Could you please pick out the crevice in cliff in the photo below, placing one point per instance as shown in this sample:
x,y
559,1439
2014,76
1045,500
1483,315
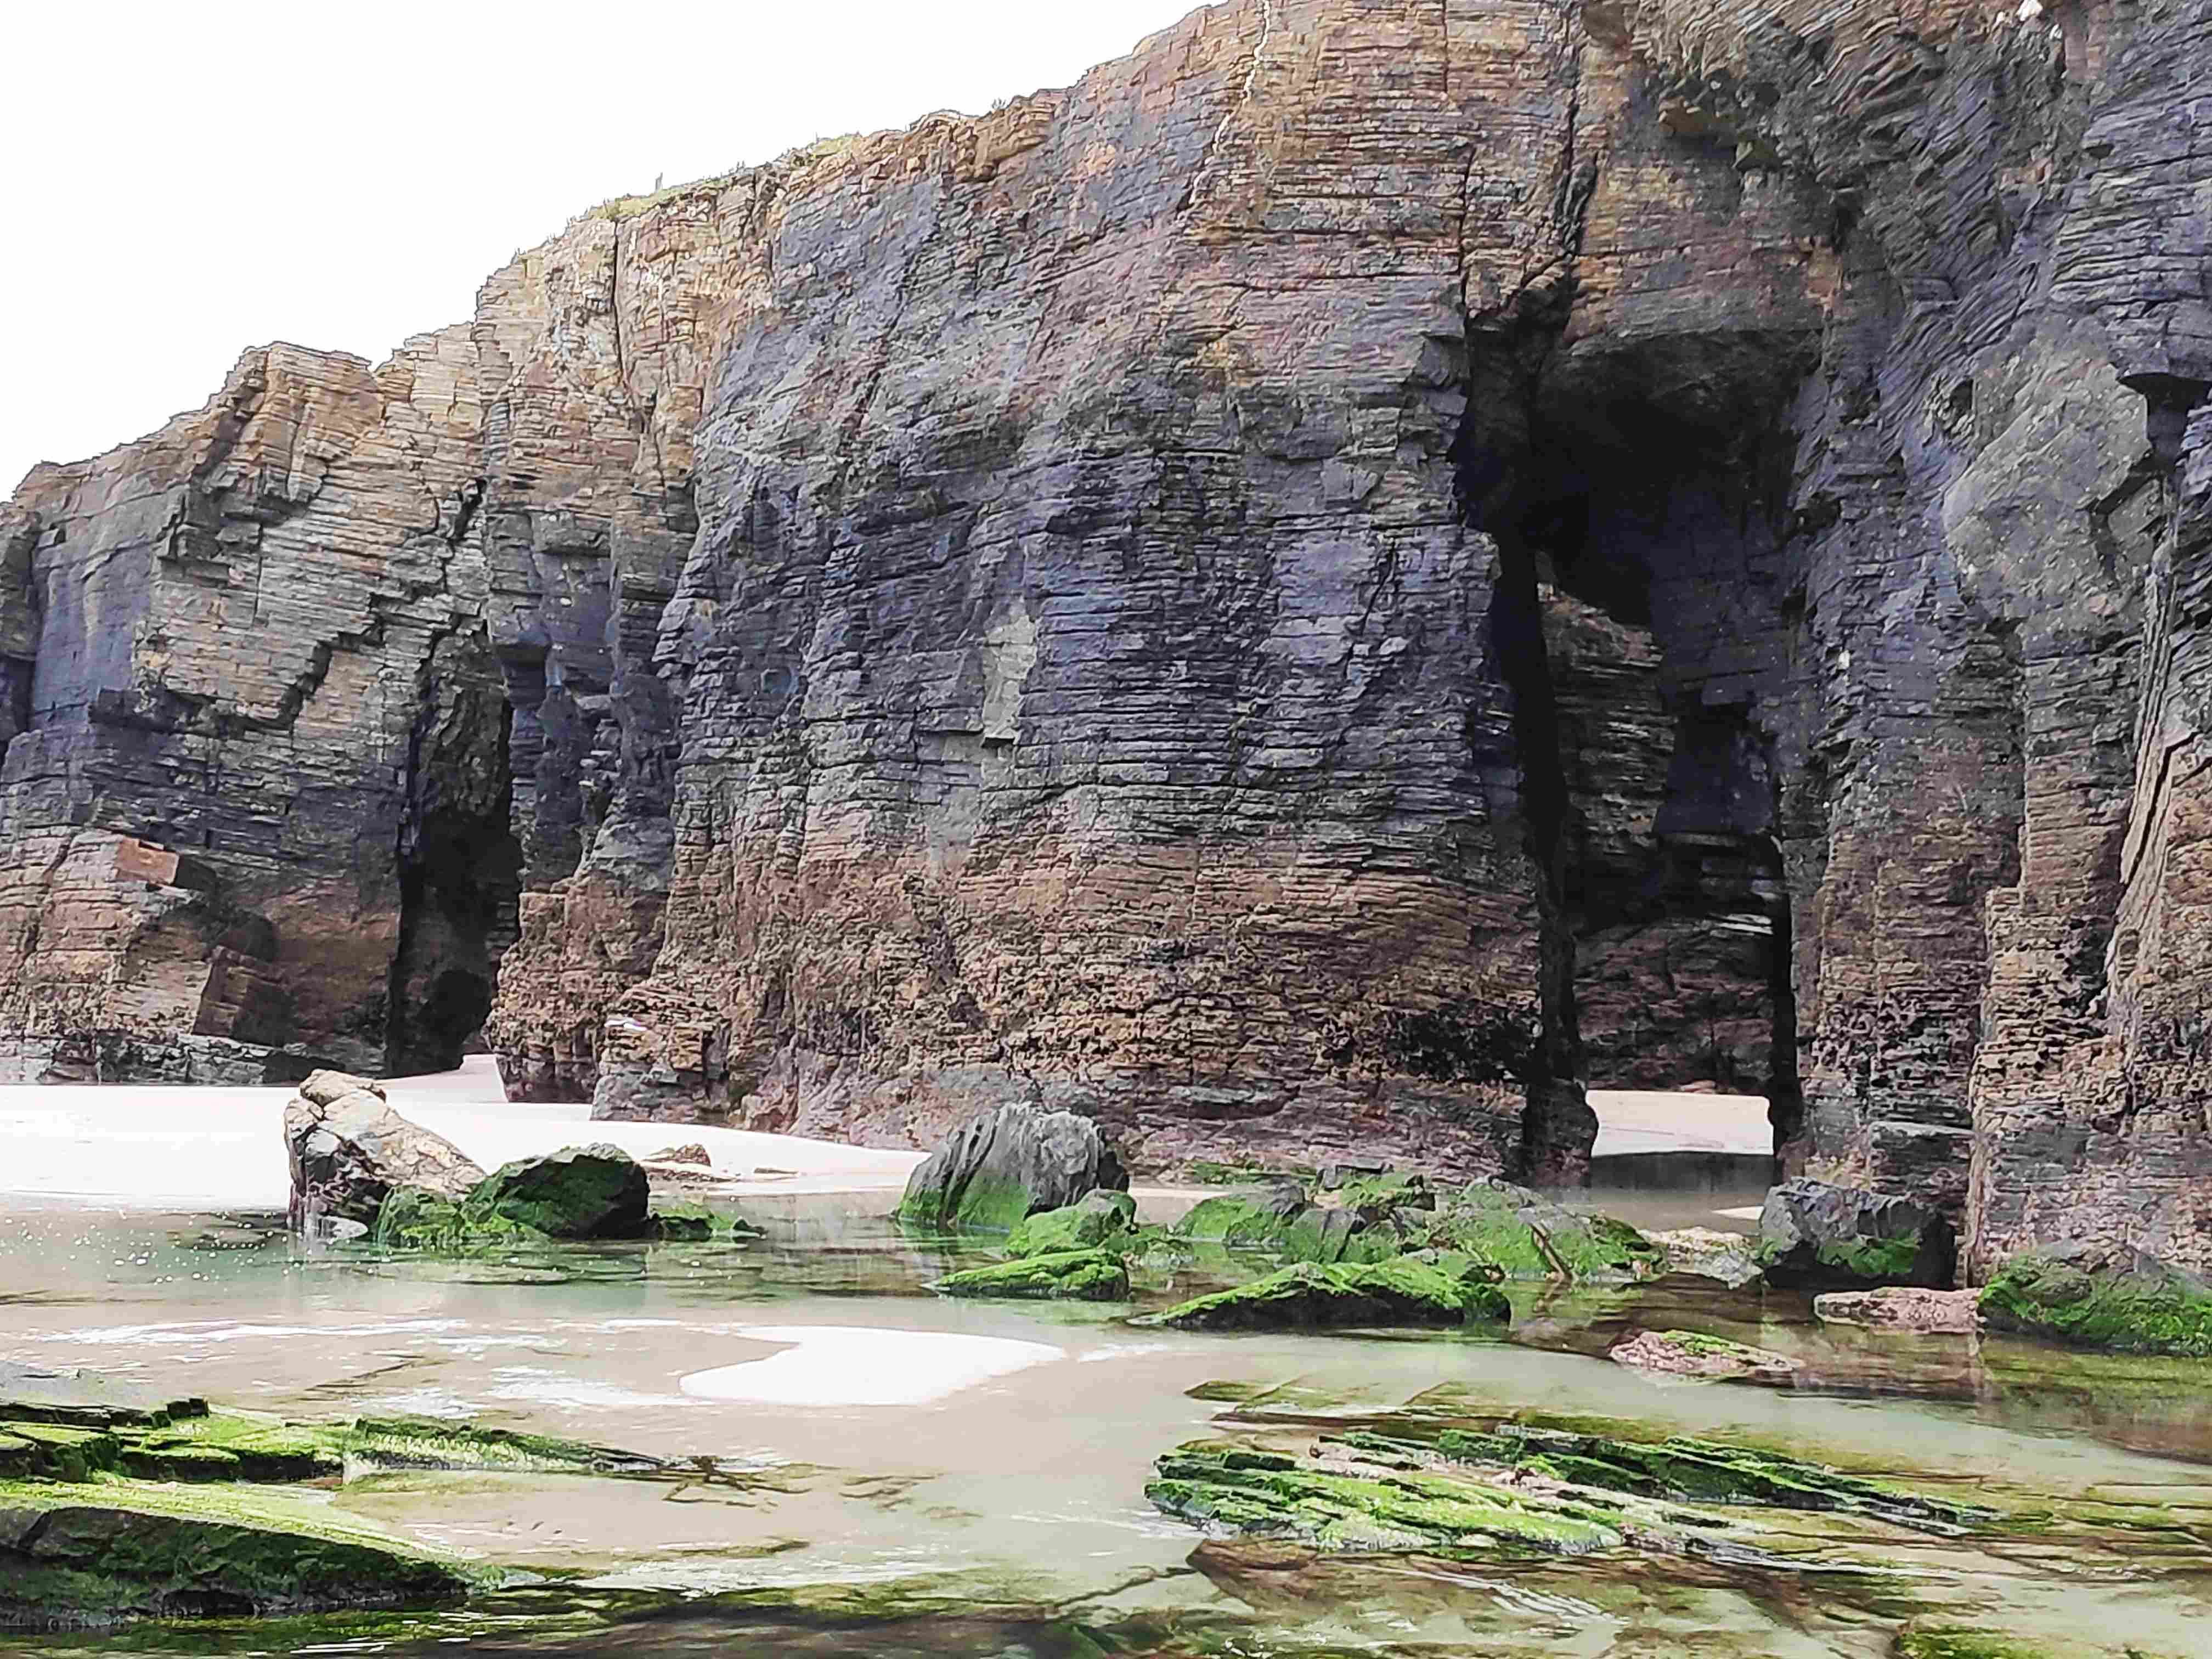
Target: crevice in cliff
x,y
459,863
1637,504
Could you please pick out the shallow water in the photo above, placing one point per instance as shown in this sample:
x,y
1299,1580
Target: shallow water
x,y
998,1453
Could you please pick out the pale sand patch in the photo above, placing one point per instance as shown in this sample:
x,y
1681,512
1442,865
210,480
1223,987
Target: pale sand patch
x,y
855,1365
223,1149
1639,1120
1748,1212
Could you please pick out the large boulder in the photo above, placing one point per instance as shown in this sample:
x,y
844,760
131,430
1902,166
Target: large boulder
x,y
580,1192
348,1152
2095,1296
1845,1238
1002,1166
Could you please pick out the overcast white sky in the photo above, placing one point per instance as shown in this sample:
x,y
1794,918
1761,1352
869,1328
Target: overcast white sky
x,y
183,181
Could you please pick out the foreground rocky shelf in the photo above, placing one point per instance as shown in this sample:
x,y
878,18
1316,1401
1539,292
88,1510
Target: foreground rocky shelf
x,y
112,1510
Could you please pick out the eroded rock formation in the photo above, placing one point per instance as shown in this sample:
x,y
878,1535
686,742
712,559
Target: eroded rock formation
x,y
1359,567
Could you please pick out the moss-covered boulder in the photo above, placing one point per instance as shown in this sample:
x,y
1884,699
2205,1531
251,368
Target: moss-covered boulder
x,y
1814,1236
1099,1218
1062,1275
413,1219
580,1192
1313,1295
75,1555
1002,1166
1525,1235
2096,1298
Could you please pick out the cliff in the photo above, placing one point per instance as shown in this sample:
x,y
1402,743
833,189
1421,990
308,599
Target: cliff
x,y
1364,566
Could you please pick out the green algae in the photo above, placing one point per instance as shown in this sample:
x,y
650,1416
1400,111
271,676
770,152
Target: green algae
x,y
2152,1309
112,1548
988,1203
678,1220
1308,1295
1240,1491
1102,1217
1951,1642
1085,1275
1688,1469
1524,1236
411,1219
1876,1260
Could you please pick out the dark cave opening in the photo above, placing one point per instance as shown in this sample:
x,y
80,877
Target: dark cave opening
x,y
1640,514
460,866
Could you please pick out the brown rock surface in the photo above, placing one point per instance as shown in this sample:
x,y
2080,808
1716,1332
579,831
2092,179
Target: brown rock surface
x,y
1358,566
1901,1307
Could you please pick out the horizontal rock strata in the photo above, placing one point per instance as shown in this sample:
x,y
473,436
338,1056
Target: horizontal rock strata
x,y
1356,568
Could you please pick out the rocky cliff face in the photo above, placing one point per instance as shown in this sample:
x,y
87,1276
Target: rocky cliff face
x,y
1360,566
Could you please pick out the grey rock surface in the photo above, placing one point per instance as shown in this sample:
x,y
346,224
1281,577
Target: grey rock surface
x,y
1002,1166
347,1150
1811,1233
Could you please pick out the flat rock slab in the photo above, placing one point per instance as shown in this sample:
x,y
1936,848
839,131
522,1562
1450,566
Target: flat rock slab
x,y
1902,1307
1712,1358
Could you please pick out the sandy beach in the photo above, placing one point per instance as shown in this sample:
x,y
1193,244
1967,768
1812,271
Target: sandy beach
x,y
222,1148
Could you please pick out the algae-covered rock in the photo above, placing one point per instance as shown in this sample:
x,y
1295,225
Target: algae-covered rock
x,y
2094,1296
1692,1353
1311,1295
1092,1275
1372,1216
1525,1235
580,1192
73,1555
1818,1237
1339,1502
412,1220
1002,1166
1099,1217
1686,1468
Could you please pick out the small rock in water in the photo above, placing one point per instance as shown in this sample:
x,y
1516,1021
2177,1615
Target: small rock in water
x,y
693,1153
1691,1353
224,1238
1709,1253
1901,1307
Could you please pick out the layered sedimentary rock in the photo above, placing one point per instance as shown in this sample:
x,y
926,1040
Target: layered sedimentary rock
x,y
1359,567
